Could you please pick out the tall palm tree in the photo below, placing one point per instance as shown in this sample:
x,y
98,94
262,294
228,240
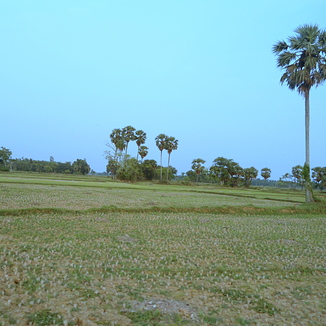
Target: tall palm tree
x,y
140,139
171,144
303,59
160,143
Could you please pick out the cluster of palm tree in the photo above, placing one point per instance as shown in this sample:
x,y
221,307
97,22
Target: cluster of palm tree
x,y
120,139
164,142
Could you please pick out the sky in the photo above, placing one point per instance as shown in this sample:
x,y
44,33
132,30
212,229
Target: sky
x,y
203,72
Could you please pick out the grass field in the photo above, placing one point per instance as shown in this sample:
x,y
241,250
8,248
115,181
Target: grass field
x,y
149,254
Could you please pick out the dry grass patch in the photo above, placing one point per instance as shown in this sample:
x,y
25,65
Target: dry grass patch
x,y
175,269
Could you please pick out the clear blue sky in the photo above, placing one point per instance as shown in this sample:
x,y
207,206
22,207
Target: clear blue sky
x,y
201,71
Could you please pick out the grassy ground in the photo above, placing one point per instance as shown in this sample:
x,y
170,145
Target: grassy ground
x,y
15,195
141,267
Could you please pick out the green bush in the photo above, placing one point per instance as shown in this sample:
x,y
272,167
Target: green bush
x,y
130,170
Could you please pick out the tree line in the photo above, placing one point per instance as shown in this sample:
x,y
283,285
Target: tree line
x,y
29,165
124,167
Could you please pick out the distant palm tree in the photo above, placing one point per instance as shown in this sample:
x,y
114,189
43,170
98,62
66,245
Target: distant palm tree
x,y
160,143
266,173
249,174
303,59
171,144
140,139
198,167
297,174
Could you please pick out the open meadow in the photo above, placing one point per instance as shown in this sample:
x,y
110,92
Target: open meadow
x,y
90,251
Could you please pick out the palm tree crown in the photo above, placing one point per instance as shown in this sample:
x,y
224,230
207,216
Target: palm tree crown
x,y
143,151
117,139
128,135
171,144
160,141
140,139
303,58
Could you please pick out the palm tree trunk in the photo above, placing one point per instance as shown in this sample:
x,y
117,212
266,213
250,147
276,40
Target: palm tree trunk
x,y
161,168
167,170
308,187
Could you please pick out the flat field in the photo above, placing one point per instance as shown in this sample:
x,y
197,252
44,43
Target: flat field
x,y
149,254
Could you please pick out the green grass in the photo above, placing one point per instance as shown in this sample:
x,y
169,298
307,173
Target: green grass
x,y
40,193
44,318
185,261
72,197
102,183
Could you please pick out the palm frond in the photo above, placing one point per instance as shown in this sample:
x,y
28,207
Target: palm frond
x,y
320,74
311,49
322,39
295,79
279,47
285,58
291,68
311,62
308,32
296,43
284,77
322,69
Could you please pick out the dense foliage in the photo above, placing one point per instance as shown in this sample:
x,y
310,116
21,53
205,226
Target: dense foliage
x,y
223,171
5,156
24,164
130,169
